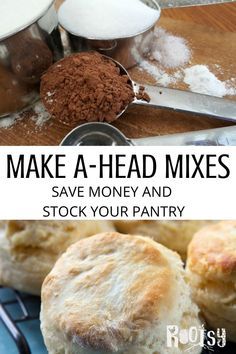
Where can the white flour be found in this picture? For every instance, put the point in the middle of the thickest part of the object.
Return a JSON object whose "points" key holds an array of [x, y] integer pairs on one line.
{"points": [[106, 19], [171, 52], [16, 14], [200, 79]]}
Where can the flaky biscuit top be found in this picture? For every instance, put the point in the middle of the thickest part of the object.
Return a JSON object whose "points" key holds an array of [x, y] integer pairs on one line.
{"points": [[212, 252], [106, 289]]}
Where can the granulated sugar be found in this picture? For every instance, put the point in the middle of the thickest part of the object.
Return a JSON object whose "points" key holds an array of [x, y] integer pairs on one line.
{"points": [[170, 51], [15, 14], [106, 19]]}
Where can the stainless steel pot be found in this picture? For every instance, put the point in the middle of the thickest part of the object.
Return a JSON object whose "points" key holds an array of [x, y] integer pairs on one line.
{"points": [[128, 51], [25, 54]]}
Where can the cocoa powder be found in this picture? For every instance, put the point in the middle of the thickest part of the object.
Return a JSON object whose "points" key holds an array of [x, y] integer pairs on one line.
{"points": [[142, 94], [85, 86]]}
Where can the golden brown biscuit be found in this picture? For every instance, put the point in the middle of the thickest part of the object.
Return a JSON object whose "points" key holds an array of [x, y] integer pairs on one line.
{"points": [[114, 293], [211, 268], [29, 249], [175, 235]]}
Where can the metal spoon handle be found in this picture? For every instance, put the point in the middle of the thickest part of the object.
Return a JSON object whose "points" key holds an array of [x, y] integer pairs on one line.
{"points": [[165, 4], [190, 102], [212, 137]]}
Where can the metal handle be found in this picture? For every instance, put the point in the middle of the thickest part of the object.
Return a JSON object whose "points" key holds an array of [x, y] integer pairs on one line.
{"points": [[164, 4], [191, 102], [14, 331], [212, 137]]}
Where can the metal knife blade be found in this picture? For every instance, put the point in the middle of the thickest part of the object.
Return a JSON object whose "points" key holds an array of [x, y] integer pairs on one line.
{"points": [[165, 4]]}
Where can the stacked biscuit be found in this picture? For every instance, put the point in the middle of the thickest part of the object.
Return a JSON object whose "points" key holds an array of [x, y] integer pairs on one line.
{"points": [[175, 235], [211, 269], [117, 293], [29, 249]]}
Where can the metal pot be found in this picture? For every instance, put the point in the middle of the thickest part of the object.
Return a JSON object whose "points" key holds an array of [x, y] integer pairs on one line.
{"points": [[25, 54], [128, 51]]}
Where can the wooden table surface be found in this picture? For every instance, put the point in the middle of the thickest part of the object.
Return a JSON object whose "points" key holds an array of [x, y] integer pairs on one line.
{"points": [[211, 33]]}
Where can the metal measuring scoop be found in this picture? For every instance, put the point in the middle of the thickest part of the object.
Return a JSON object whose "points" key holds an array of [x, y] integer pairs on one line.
{"points": [[103, 134], [179, 100]]}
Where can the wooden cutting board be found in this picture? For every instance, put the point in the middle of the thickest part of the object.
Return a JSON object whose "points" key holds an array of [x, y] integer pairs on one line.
{"points": [[211, 33]]}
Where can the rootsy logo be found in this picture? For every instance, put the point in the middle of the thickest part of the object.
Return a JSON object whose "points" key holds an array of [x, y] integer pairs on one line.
{"points": [[195, 337]]}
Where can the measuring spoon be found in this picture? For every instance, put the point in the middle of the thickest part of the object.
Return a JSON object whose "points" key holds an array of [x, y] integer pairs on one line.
{"points": [[179, 100], [103, 134]]}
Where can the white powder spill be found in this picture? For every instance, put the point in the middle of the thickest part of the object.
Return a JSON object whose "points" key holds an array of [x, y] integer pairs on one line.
{"points": [[170, 51], [41, 115], [200, 79], [16, 14], [8, 121], [106, 19], [37, 114], [160, 76]]}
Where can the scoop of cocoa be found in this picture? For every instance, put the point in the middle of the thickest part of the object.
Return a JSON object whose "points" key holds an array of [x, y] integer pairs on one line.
{"points": [[86, 87]]}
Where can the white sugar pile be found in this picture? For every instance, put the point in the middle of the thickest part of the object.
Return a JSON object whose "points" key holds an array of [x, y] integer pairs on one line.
{"points": [[15, 14], [170, 51], [106, 19]]}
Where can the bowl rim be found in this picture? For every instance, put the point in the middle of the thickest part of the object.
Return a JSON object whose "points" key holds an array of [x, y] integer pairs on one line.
{"points": [[31, 22], [158, 8]]}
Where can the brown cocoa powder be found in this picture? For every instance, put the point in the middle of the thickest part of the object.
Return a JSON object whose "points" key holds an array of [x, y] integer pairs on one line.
{"points": [[85, 86], [142, 94]]}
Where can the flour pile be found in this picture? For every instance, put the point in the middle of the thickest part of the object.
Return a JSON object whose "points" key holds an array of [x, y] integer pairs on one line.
{"points": [[167, 65]]}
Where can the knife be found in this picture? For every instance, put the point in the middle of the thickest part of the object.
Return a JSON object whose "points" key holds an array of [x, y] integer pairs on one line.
{"points": [[165, 4]]}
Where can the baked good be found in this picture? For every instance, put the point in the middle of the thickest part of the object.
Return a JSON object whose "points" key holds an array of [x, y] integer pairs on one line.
{"points": [[175, 235], [29, 249], [114, 293], [211, 268]]}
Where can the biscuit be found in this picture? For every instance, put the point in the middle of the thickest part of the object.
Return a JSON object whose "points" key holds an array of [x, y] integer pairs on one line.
{"points": [[175, 235], [29, 249], [211, 269], [114, 293]]}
